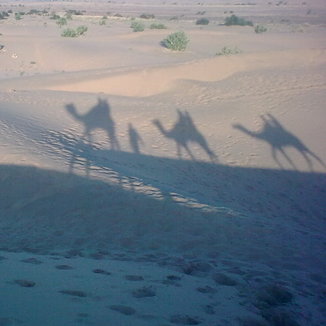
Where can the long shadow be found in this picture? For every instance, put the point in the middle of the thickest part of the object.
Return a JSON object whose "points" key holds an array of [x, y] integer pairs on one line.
{"points": [[274, 133], [283, 242], [135, 139], [266, 216], [98, 117], [184, 132]]}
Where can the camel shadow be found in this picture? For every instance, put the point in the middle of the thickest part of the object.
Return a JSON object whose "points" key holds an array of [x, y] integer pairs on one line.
{"points": [[184, 132], [98, 117], [279, 138]]}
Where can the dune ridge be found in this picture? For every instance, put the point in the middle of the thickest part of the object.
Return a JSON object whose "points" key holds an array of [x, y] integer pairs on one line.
{"points": [[152, 81]]}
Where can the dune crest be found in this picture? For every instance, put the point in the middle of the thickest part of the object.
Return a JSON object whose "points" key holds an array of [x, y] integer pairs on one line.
{"points": [[152, 81]]}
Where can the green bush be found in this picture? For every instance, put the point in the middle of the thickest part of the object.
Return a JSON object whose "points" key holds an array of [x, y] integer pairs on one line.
{"points": [[68, 15], [69, 32], [4, 15], [61, 22], [54, 16], [137, 26], [177, 41], [75, 12], [81, 30], [202, 21], [157, 26], [147, 16], [235, 20], [18, 16], [228, 51], [260, 29]]}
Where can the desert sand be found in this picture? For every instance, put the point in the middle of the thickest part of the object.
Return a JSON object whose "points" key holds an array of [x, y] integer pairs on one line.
{"points": [[145, 186]]}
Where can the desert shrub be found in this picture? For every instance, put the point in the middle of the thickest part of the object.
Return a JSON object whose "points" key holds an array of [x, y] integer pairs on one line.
{"points": [[202, 21], [102, 22], [68, 15], [157, 26], [235, 20], [1, 47], [18, 16], [137, 26], [61, 21], [75, 12], [260, 29], [147, 16], [34, 12], [4, 15], [81, 30], [176, 41], [228, 51], [69, 32], [54, 16]]}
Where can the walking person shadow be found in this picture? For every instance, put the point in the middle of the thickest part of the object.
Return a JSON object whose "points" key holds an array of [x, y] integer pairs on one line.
{"points": [[184, 132], [279, 138], [134, 139]]}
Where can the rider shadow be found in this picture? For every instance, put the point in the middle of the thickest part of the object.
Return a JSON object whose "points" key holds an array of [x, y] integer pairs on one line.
{"points": [[279, 138], [184, 132], [98, 117]]}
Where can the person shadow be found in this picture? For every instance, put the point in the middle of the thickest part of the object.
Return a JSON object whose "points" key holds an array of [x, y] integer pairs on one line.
{"points": [[279, 138], [135, 139], [184, 132]]}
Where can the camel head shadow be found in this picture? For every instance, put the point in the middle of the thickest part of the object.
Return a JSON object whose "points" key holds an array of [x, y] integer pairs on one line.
{"points": [[184, 132]]}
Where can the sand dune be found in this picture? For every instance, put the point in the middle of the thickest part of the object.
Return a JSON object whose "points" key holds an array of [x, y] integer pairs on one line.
{"points": [[152, 81], [141, 186]]}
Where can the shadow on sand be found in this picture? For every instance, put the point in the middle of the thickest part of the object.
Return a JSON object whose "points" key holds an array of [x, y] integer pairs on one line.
{"points": [[268, 216], [279, 138], [183, 133]]}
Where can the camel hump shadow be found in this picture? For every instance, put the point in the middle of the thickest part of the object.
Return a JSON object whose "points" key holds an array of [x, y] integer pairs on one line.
{"points": [[98, 117], [274, 133], [184, 132]]}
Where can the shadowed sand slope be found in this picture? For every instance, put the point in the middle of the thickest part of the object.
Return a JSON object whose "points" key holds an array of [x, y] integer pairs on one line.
{"points": [[64, 211]]}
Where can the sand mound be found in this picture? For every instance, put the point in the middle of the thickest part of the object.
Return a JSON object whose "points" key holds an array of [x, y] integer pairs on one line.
{"points": [[151, 81]]}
